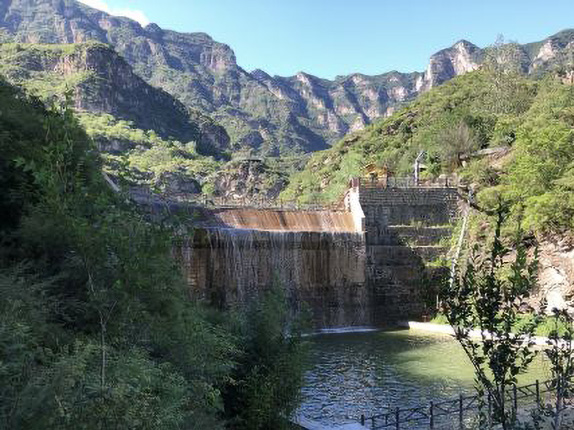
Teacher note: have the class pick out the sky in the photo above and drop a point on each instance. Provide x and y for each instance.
(336, 37)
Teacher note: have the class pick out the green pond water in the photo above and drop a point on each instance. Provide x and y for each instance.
(365, 373)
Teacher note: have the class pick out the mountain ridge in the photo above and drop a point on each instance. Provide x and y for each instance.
(271, 115)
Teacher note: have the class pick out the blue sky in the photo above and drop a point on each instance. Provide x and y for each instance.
(335, 37)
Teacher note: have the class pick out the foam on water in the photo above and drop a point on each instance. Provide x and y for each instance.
(352, 329)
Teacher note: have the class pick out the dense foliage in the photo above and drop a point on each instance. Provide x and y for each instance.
(483, 109)
(17, 61)
(488, 296)
(269, 369)
(96, 330)
(446, 122)
(143, 158)
(540, 176)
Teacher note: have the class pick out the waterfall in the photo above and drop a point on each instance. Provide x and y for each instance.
(283, 220)
(367, 266)
(315, 256)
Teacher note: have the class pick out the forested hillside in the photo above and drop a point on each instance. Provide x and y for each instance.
(96, 329)
(145, 135)
(492, 108)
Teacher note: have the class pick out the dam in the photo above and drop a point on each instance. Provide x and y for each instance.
(365, 264)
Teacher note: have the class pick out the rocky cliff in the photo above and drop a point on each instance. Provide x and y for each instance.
(274, 115)
(253, 180)
(103, 82)
(556, 274)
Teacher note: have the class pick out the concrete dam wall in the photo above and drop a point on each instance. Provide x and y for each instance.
(284, 220)
(362, 266)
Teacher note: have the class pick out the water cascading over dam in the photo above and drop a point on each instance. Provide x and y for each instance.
(316, 256)
(362, 266)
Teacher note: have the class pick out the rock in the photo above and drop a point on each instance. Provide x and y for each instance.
(178, 183)
(556, 275)
(113, 146)
(460, 58)
(302, 113)
(105, 83)
(247, 179)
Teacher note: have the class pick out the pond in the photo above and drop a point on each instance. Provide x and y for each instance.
(364, 373)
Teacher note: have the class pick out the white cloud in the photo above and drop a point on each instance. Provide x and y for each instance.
(136, 15)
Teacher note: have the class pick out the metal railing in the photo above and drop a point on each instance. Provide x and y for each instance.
(404, 182)
(264, 203)
(145, 195)
(428, 416)
(149, 197)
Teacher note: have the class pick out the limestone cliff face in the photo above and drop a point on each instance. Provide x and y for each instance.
(556, 274)
(113, 88)
(103, 82)
(274, 115)
(553, 51)
(461, 58)
(271, 114)
(248, 179)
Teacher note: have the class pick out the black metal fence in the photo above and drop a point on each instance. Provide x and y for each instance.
(146, 196)
(456, 411)
(404, 182)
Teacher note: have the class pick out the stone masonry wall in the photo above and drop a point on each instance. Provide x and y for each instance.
(405, 206)
(373, 274)
(405, 228)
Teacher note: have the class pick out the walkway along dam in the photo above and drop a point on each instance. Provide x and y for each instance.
(366, 264)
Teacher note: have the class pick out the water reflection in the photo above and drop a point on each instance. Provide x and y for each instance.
(356, 373)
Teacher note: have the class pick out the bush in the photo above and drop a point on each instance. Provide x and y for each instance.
(96, 330)
(269, 377)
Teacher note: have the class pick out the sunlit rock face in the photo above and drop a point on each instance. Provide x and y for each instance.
(555, 288)
(301, 113)
(461, 58)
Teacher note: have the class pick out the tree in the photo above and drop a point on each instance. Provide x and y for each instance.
(457, 142)
(487, 297)
(268, 381)
(96, 329)
(503, 64)
(560, 354)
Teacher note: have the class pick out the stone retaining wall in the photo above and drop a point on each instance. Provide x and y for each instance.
(405, 228)
(364, 267)
(406, 206)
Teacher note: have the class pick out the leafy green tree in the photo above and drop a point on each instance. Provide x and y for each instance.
(503, 64)
(138, 393)
(269, 378)
(96, 330)
(458, 142)
(560, 354)
(96, 327)
(487, 297)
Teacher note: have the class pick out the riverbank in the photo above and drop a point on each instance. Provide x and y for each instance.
(445, 329)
